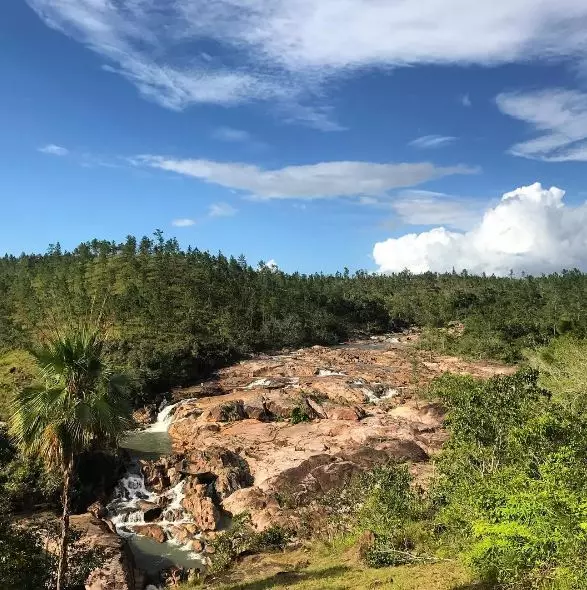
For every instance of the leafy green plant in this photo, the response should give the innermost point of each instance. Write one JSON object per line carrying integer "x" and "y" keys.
{"x": 299, "y": 414}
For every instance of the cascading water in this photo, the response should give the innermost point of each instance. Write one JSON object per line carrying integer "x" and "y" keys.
{"x": 131, "y": 499}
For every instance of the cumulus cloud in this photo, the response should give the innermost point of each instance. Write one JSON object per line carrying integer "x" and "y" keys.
{"x": 54, "y": 150}
{"x": 418, "y": 207}
{"x": 269, "y": 265}
{"x": 530, "y": 230}
{"x": 326, "y": 179}
{"x": 432, "y": 141}
{"x": 221, "y": 210}
{"x": 184, "y": 222}
{"x": 559, "y": 116}
{"x": 287, "y": 49}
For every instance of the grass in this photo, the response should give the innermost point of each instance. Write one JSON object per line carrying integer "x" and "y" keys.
{"x": 324, "y": 567}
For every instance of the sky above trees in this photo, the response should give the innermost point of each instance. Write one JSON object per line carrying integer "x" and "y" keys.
{"x": 366, "y": 134}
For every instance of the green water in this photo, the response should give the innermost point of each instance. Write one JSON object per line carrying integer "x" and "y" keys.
{"x": 152, "y": 557}
{"x": 147, "y": 444}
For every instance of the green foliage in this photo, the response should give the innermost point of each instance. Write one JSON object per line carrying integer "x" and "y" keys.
{"x": 178, "y": 315}
{"x": 242, "y": 539}
{"x": 80, "y": 404}
{"x": 17, "y": 369}
{"x": 562, "y": 371}
{"x": 299, "y": 414}
{"x": 514, "y": 482}
{"x": 24, "y": 565}
{"x": 24, "y": 482}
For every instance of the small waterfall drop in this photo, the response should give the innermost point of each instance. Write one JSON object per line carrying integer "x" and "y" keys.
{"x": 131, "y": 500}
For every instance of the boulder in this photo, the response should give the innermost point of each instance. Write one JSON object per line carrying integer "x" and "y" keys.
{"x": 228, "y": 411}
{"x": 255, "y": 409}
{"x": 201, "y": 507}
{"x": 151, "y": 511}
{"x": 227, "y": 469}
{"x": 345, "y": 413}
{"x": 281, "y": 405}
{"x": 152, "y": 531}
{"x": 98, "y": 510}
{"x": 262, "y": 507}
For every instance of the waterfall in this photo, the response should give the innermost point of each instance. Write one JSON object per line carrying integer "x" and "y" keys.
{"x": 131, "y": 498}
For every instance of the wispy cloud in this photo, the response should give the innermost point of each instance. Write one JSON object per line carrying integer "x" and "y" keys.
{"x": 54, "y": 150}
{"x": 184, "y": 222}
{"x": 315, "y": 181}
{"x": 466, "y": 100}
{"x": 221, "y": 210}
{"x": 230, "y": 134}
{"x": 432, "y": 141}
{"x": 285, "y": 51}
{"x": 419, "y": 207}
{"x": 559, "y": 116}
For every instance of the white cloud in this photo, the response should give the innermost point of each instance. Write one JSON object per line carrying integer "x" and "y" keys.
{"x": 184, "y": 222}
{"x": 269, "y": 265}
{"x": 466, "y": 100}
{"x": 530, "y": 230}
{"x": 54, "y": 150}
{"x": 221, "y": 210}
{"x": 231, "y": 134}
{"x": 432, "y": 141}
{"x": 284, "y": 50}
{"x": 418, "y": 207}
{"x": 326, "y": 179}
{"x": 560, "y": 118}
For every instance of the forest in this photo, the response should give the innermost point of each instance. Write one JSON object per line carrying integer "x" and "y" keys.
{"x": 178, "y": 314}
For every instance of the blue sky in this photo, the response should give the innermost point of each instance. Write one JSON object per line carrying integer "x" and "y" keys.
{"x": 366, "y": 134}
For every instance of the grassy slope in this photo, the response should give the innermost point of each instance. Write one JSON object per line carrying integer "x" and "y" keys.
{"x": 325, "y": 568}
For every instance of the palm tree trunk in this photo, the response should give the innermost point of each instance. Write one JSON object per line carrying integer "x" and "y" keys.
{"x": 62, "y": 571}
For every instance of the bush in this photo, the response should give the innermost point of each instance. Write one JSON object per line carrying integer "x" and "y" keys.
{"x": 513, "y": 482}
{"x": 241, "y": 539}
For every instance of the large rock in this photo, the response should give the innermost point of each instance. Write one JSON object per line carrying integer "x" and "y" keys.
{"x": 152, "y": 531}
{"x": 227, "y": 469}
{"x": 200, "y": 506}
{"x": 117, "y": 570}
{"x": 263, "y": 508}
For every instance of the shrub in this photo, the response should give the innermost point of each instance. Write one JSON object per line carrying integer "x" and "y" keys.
{"x": 513, "y": 482}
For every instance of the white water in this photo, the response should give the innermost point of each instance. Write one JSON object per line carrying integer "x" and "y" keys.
{"x": 125, "y": 513}
{"x": 329, "y": 373}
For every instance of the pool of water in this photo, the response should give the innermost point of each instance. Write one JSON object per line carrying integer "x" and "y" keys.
{"x": 147, "y": 444}
{"x": 152, "y": 557}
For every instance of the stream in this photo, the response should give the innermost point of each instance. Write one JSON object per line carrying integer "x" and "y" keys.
{"x": 125, "y": 512}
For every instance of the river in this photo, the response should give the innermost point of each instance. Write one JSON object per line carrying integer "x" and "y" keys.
{"x": 124, "y": 509}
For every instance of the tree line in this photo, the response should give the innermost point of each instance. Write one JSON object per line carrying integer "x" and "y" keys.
{"x": 176, "y": 314}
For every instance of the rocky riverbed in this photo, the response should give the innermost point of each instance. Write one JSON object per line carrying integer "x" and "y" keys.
{"x": 294, "y": 425}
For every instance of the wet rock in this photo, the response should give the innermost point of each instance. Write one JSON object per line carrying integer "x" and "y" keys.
{"x": 151, "y": 510}
{"x": 184, "y": 533}
{"x": 145, "y": 416}
{"x": 152, "y": 531}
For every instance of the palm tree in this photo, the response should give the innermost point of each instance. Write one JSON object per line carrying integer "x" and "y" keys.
{"x": 81, "y": 405}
